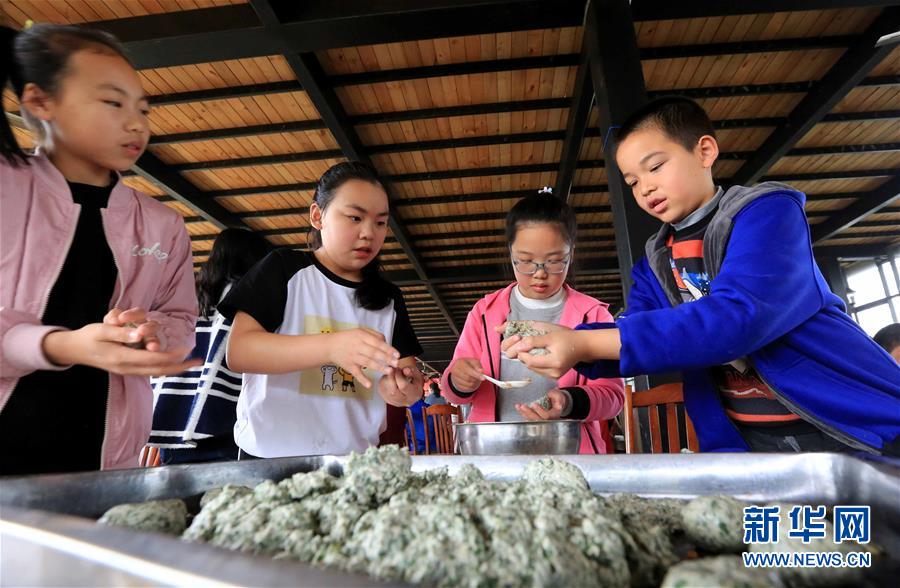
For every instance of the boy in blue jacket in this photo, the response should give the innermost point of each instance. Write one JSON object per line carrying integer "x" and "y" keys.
{"x": 730, "y": 295}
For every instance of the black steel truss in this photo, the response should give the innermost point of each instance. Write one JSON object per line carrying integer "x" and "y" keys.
{"x": 667, "y": 10}
{"x": 235, "y": 32}
{"x": 881, "y": 197}
{"x": 576, "y": 127}
{"x": 849, "y": 71}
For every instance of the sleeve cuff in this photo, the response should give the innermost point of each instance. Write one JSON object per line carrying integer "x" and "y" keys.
{"x": 603, "y": 368}
{"x": 23, "y": 347}
{"x": 595, "y": 326}
{"x": 459, "y": 393}
{"x": 568, "y": 409}
{"x": 579, "y": 403}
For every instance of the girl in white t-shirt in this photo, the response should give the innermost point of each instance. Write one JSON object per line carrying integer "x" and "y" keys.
{"x": 323, "y": 340}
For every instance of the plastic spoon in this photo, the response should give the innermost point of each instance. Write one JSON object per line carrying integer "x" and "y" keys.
{"x": 510, "y": 384}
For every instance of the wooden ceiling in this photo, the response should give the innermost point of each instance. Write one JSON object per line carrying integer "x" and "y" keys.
{"x": 465, "y": 107}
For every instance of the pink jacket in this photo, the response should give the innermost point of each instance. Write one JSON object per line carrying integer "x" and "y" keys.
{"x": 478, "y": 340}
{"x": 152, "y": 252}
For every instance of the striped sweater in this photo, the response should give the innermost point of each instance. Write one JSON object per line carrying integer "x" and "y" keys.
{"x": 199, "y": 403}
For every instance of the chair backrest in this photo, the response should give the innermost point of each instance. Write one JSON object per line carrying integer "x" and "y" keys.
{"x": 409, "y": 433}
{"x": 441, "y": 417}
{"x": 149, "y": 457}
{"x": 668, "y": 396}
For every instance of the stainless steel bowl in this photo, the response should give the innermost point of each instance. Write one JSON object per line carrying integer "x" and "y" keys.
{"x": 562, "y": 437}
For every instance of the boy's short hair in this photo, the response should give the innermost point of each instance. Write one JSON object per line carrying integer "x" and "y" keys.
{"x": 681, "y": 119}
{"x": 889, "y": 337}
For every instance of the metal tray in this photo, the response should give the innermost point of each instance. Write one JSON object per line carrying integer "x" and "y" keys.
{"x": 48, "y": 541}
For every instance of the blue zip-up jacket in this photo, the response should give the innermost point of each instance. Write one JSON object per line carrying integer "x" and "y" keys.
{"x": 769, "y": 303}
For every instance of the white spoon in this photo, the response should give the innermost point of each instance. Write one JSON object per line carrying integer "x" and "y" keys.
{"x": 510, "y": 384}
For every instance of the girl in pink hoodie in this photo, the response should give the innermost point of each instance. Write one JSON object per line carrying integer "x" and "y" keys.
{"x": 98, "y": 285}
{"x": 540, "y": 233}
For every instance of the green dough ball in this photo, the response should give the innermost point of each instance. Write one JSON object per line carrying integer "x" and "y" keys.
{"x": 161, "y": 516}
{"x": 725, "y": 571}
{"x": 715, "y": 523}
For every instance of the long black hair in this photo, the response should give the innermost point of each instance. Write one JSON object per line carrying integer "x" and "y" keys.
{"x": 234, "y": 252}
{"x": 39, "y": 55}
{"x": 374, "y": 291}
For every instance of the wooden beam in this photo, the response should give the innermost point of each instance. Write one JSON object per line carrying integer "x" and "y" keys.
{"x": 492, "y": 216}
{"x": 228, "y": 92}
{"x": 238, "y": 132}
{"x": 456, "y": 69}
{"x": 854, "y": 252}
{"x": 490, "y": 271}
{"x": 805, "y": 87}
{"x": 867, "y": 204}
{"x": 747, "y": 47}
{"x": 827, "y": 175}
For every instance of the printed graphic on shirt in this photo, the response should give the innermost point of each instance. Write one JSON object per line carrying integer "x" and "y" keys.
{"x": 329, "y": 379}
{"x": 321, "y": 410}
{"x": 688, "y": 268}
{"x": 691, "y": 285}
{"x": 747, "y": 398}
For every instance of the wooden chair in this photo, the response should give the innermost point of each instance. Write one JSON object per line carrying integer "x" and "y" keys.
{"x": 409, "y": 434}
{"x": 669, "y": 396}
{"x": 442, "y": 419}
{"x": 149, "y": 457}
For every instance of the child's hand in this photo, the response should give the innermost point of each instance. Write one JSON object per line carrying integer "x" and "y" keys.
{"x": 102, "y": 346}
{"x": 535, "y": 412}
{"x": 361, "y": 348}
{"x": 563, "y": 351}
{"x": 143, "y": 332}
{"x": 466, "y": 374}
{"x": 507, "y": 343}
{"x": 403, "y": 387}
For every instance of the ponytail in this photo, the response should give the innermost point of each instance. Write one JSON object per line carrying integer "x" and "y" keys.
{"x": 374, "y": 291}
{"x": 9, "y": 147}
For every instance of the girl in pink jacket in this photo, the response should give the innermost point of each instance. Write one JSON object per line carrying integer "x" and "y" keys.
{"x": 97, "y": 281}
{"x": 540, "y": 233}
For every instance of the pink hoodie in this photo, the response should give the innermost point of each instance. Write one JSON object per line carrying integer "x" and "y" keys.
{"x": 478, "y": 340}
{"x": 152, "y": 252}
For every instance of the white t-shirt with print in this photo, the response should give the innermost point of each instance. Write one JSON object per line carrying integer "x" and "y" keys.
{"x": 323, "y": 409}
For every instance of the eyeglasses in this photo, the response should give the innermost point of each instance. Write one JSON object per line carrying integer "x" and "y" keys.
{"x": 529, "y": 268}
